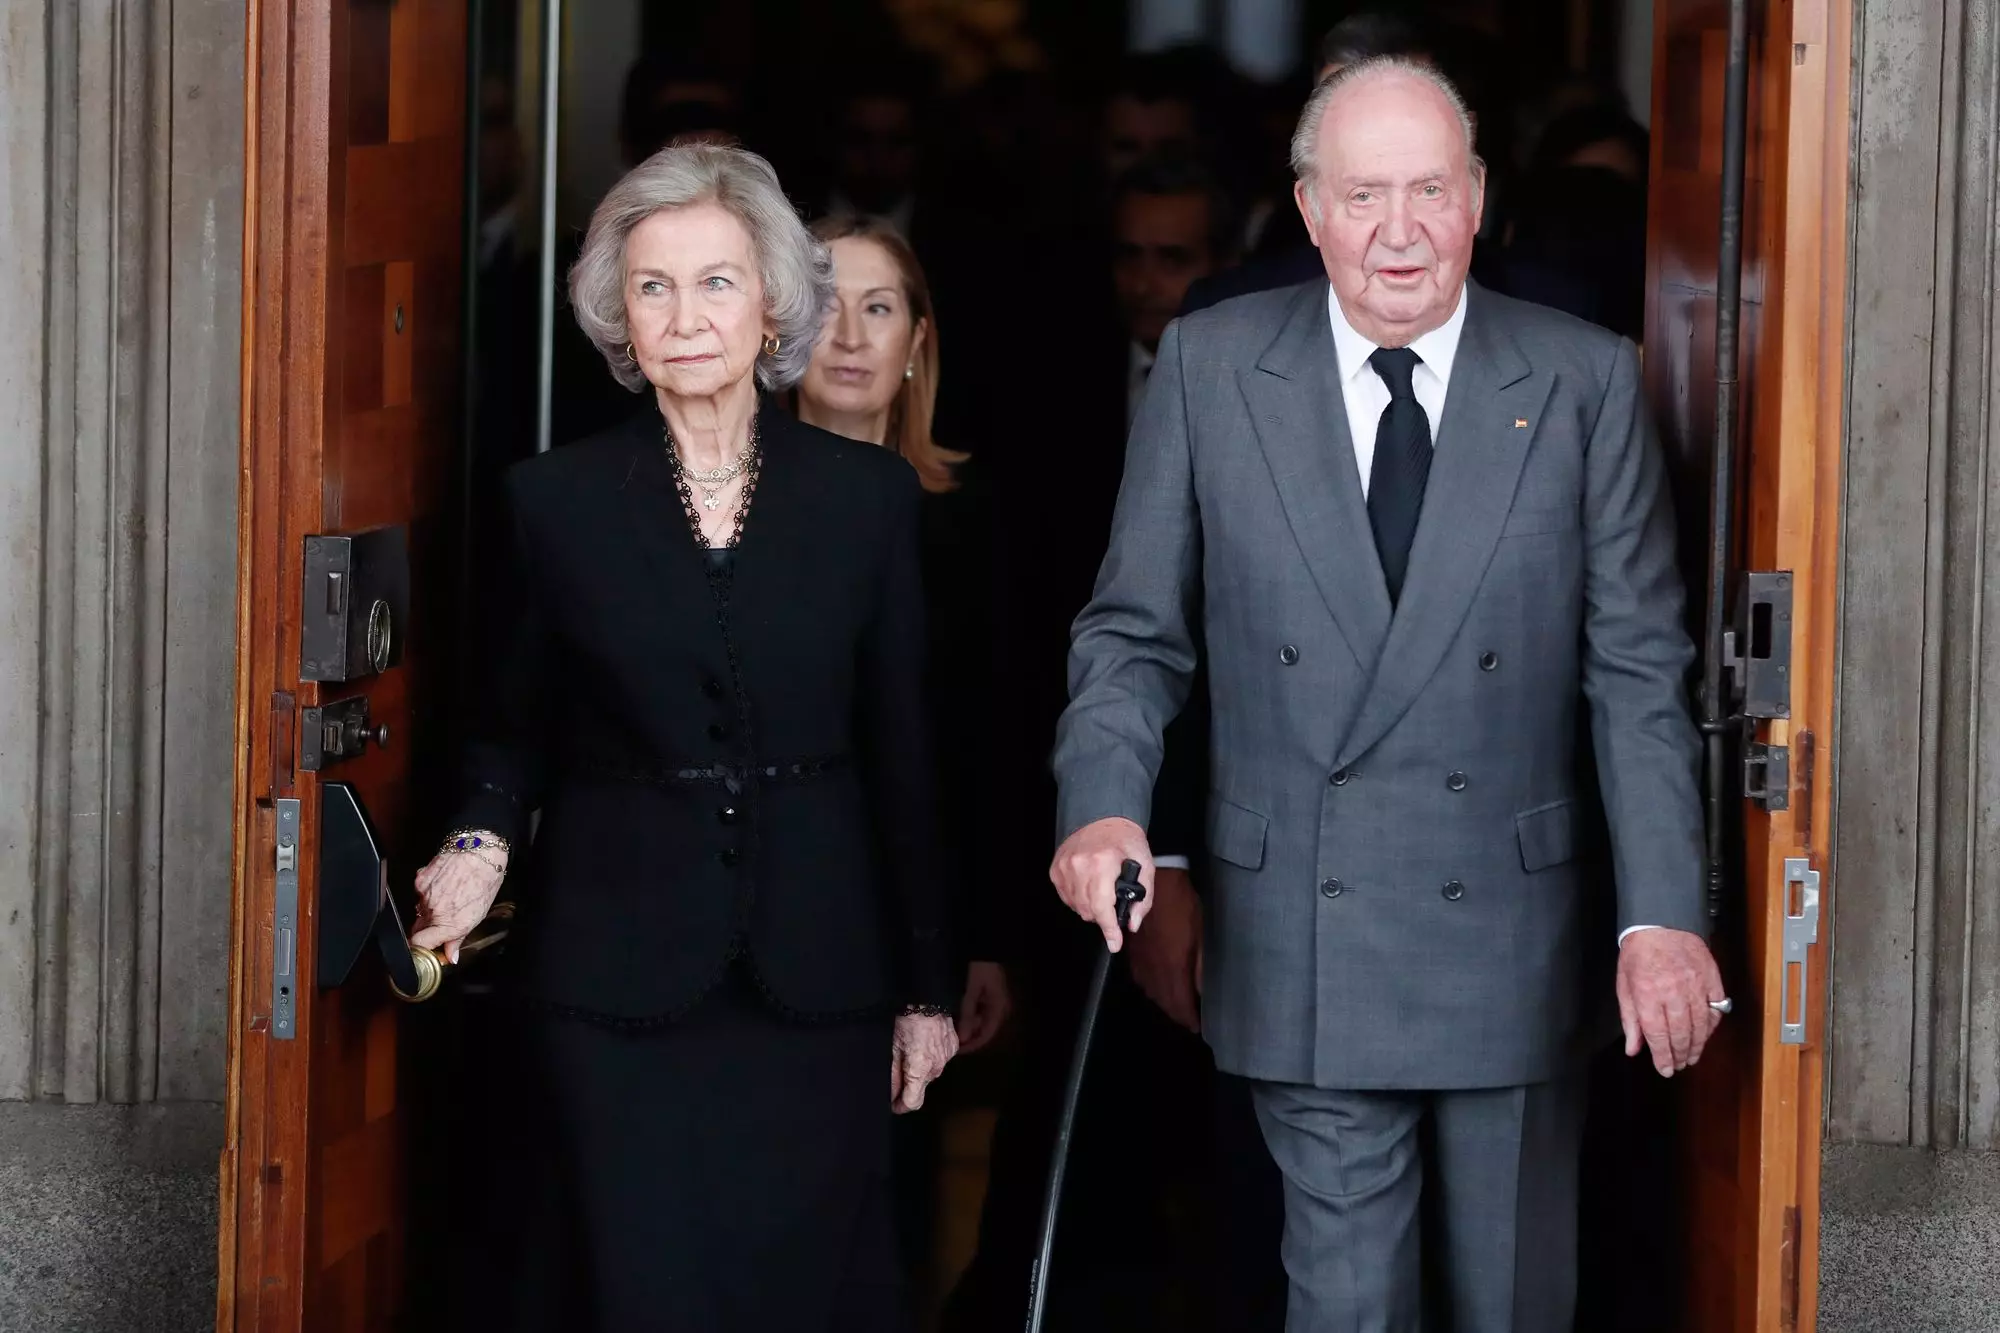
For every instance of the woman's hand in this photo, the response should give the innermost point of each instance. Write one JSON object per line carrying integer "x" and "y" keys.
{"x": 984, "y": 1010}
{"x": 923, "y": 1045}
{"x": 455, "y": 892}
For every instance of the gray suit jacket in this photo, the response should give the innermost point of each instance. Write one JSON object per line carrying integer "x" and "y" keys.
{"x": 1393, "y": 816}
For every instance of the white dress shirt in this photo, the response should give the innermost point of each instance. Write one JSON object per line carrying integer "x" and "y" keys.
{"x": 1367, "y": 394}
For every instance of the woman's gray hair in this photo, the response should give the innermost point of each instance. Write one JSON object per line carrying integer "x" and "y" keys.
{"x": 1305, "y": 139}
{"x": 796, "y": 269}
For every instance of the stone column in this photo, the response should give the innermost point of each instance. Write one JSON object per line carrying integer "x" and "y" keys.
{"x": 121, "y": 122}
{"x": 1915, "y": 1012}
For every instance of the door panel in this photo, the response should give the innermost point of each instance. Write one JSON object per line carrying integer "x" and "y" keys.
{"x": 1751, "y": 1111}
{"x": 355, "y": 114}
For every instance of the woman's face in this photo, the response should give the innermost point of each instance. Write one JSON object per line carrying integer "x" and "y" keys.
{"x": 870, "y": 337}
{"x": 694, "y": 303}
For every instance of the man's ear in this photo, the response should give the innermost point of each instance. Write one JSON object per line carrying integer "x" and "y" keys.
{"x": 1302, "y": 195}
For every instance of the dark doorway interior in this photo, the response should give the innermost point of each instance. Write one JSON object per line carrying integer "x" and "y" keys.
{"x": 989, "y": 131}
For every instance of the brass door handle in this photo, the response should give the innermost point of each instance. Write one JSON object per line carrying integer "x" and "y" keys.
{"x": 432, "y": 966}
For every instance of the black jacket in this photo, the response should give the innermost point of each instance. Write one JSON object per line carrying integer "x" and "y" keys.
{"x": 754, "y": 783}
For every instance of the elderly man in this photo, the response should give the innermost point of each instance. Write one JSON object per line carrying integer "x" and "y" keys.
{"x": 1426, "y": 521}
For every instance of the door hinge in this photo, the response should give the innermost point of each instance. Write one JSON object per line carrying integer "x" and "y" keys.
{"x": 1757, "y": 654}
{"x": 1801, "y": 932}
{"x": 284, "y": 716}
{"x": 285, "y": 925}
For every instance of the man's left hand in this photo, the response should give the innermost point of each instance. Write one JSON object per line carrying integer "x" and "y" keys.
{"x": 1666, "y": 979}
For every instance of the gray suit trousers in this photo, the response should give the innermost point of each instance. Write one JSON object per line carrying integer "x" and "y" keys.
{"x": 1470, "y": 1195}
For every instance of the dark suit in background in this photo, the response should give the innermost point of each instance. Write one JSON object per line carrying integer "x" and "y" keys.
{"x": 1054, "y": 490}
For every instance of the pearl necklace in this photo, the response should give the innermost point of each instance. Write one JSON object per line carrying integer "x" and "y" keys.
{"x": 711, "y": 482}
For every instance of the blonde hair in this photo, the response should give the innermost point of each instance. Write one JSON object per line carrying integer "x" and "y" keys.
{"x": 915, "y": 404}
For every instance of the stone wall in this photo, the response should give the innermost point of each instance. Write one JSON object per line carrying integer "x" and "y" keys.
{"x": 1910, "y": 1222}
{"x": 121, "y": 145}
{"x": 119, "y": 314}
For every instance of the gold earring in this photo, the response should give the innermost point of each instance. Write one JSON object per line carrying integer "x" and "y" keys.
{"x": 628, "y": 354}
{"x": 772, "y": 344}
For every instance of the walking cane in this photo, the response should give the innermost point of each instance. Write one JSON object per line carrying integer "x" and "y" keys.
{"x": 1129, "y": 892}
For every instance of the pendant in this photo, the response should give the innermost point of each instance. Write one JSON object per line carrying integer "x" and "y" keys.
{"x": 710, "y": 500}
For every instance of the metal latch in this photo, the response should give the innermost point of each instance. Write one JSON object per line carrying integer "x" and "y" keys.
{"x": 337, "y": 730}
{"x": 1767, "y": 775}
{"x": 1757, "y": 654}
{"x": 285, "y": 925}
{"x": 1800, "y": 934}
{"x": 1757, "y": 650}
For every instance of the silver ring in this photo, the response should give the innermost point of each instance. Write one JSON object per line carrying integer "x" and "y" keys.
{"x": 1721, "y": 1006}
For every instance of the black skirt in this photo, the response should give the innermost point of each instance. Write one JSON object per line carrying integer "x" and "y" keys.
{"x": 727, "y": 1172}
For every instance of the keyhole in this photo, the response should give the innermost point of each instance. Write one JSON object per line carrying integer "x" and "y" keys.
{"x": 399, "y": 319}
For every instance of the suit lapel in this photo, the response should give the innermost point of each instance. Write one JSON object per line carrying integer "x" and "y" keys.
{"x": 1479, "y": 454}
{"x": 1301, "y": 421}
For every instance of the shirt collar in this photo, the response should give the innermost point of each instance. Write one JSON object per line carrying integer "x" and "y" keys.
{"x": 1138, "y": 360}
{"x": 1438, "y": 348}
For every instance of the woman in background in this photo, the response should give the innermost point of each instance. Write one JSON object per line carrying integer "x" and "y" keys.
{"x": 874, "y": 378}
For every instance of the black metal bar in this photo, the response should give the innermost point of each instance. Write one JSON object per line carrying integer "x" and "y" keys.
{"x": 1128, "y": 893}
{"x": 468, "y": 332}
{"x": 1715, "y": 707}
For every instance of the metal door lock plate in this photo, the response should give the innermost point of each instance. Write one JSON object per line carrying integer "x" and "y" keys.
{"x": 337, "y": 730}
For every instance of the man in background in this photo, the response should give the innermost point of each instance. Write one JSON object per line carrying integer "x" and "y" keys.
{"x": 1145, "y": 1240}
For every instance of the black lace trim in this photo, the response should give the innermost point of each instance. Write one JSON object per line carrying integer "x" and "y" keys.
{"x": 734, "y": 776}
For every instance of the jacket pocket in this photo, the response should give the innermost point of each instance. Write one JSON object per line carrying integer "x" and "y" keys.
{"x": 1236, "y": 835}
{"x": 1550, "y": 518}
{"x": 1547, "y": 835}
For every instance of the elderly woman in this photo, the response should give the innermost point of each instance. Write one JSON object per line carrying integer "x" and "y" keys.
{"x": 731, "y": 915}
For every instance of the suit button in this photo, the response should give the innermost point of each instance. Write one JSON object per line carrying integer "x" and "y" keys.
{"x": 711, "y": 688}
{"x": 726, "y": 815}
{"x": 1488, "y": 661}
{"x": 717, "y": 732}
{"x": 1453, "y": 890}
{"x": 1288, "y": 655}
{"x": 1340, "y": 779}
{"x": 1455, "y": 780}
{"x": 729, "y": 857}
{"x": 1330, "y": 887}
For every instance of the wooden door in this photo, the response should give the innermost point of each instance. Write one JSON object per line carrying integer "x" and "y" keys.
{"x": 1750, "y": 1112}
{"x": 355, "y": 112}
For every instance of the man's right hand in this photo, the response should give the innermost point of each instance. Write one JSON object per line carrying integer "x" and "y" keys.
{"x": 1166, "y": 959}
{"x": 1086, "y": 872}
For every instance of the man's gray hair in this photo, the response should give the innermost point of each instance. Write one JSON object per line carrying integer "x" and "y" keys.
{"x": 796, "y": 269}
{"x": 1305, "y": 139}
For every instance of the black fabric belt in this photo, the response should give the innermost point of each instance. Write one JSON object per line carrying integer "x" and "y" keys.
{"x": 733, "y": 774}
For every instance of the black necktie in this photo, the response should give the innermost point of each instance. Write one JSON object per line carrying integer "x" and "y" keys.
{"x": 1402, "y": 465}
